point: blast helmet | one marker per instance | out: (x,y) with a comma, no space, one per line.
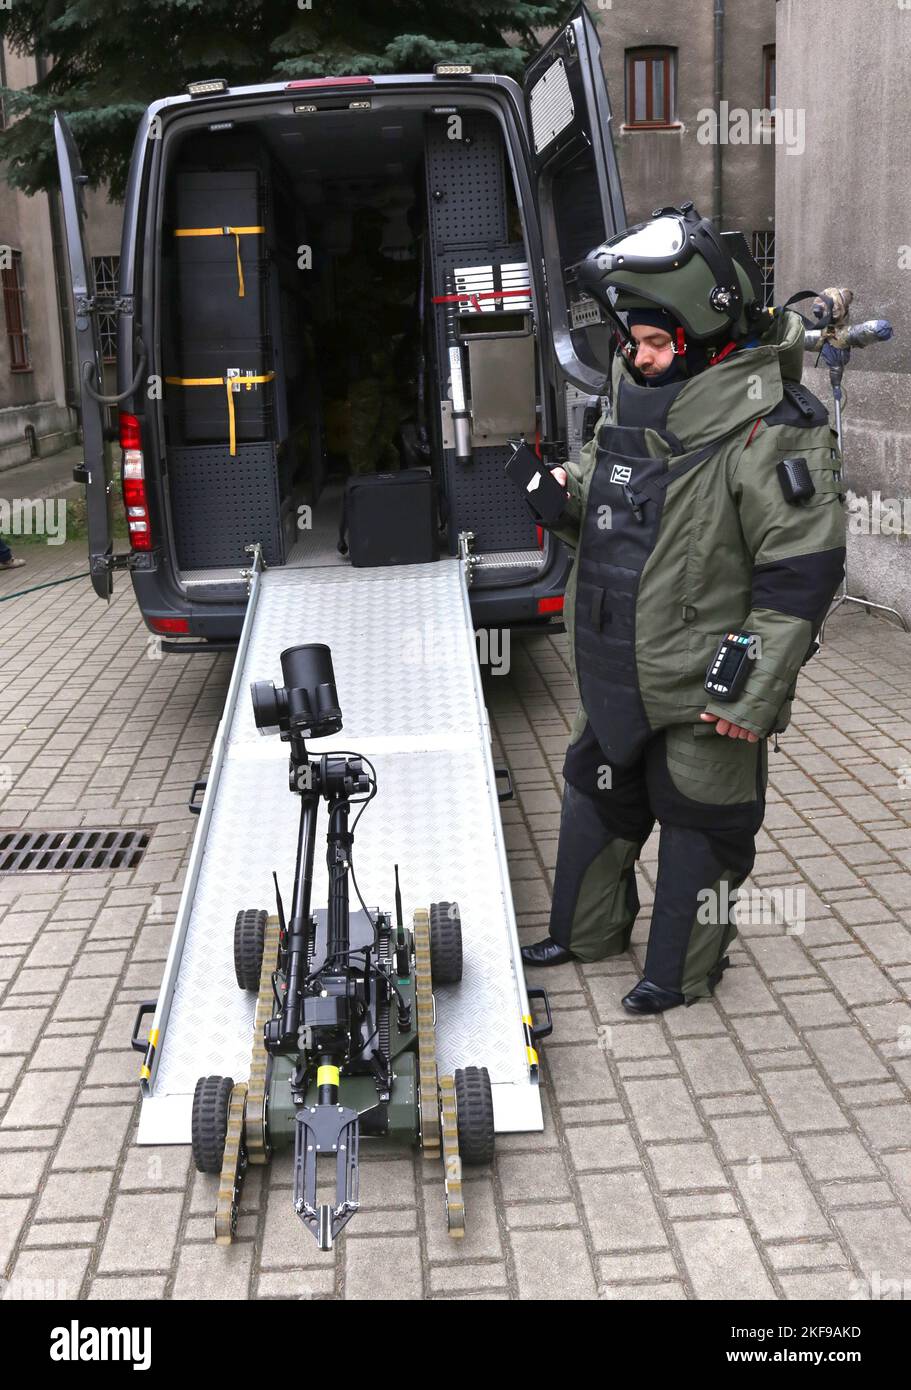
(707,281)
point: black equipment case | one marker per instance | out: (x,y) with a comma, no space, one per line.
(390,518)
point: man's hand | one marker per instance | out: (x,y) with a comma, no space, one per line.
(560,475)
(724,726)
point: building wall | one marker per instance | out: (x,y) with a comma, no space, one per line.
(37,397)
(843,219)
(668,166)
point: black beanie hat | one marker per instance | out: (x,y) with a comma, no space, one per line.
(654,318)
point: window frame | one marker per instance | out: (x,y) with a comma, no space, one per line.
(769,80)
(15,316)
(668,55)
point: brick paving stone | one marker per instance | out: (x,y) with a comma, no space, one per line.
(721,1259)
(834,1156)
(804,1254)
(879,1240)
(383,1268)
(213,1272)
(663,1110)
(855,1194)
(802,1101)
(552,1265)
(41,1099)
(779,1200)
(685,1166)
(601,1147)
(13,1213)
(713,1066)
(41,1275)
(533,1215)
(301,1284)
(530,1175)
(758,1033)
(620,1211)
(135,1287)
(579,1072)
(886,1126)
(53,1233)
(683,1204)
(93,1137)
(748,1137)
(66,1196)
(640,1265)
(142,1232)
(859,981)
(812,1010)
(845,1055)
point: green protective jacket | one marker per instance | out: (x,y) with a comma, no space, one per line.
(730,551)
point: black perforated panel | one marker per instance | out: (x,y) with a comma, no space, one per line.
(454,167)
(483,500)
(220,504)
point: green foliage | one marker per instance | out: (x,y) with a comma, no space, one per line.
(106,60)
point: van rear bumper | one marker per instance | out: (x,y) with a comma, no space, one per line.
(217,626)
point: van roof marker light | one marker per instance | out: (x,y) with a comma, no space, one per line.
(211,86)
(452,69)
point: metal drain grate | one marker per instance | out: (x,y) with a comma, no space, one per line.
(69,851)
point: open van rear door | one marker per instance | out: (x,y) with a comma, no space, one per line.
(577,187)
(97,471)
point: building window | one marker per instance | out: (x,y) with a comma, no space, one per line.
(768,78)
(650,87)
(14,310)
(107,273)
(764,255)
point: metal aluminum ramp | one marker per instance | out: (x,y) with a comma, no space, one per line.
(409,685)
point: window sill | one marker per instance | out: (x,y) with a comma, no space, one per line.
(633,129)
(22,371)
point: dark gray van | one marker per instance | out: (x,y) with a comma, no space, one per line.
(245,345)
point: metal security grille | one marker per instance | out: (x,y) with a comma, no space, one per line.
(764,253)
(70,851)
(107,277)
(551,105)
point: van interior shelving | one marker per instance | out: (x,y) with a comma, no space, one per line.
(349,297)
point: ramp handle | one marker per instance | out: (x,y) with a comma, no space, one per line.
(541,1030)
(508,794)
(192,804)
(136,1043)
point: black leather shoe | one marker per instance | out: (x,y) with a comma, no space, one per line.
(646,998)
(546,952)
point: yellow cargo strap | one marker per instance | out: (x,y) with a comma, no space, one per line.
(236,232)
(232,384)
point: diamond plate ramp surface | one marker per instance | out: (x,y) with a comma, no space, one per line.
(404,660)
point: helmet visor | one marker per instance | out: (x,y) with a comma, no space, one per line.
(661,239)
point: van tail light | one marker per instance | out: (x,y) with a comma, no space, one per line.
(551,605)
(134,486)
(165,625)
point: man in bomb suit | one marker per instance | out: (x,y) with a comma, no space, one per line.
(705,507)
